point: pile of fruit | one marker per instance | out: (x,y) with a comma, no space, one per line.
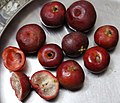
(80,17)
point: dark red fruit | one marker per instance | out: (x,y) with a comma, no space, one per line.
(53,14)
(107,36)
(50,55)
(70,75)
(81,16)
(45,84)
(74,44)
(21,85)
(13,58)
(30,38)
(96,59)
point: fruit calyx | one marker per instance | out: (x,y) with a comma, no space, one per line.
(55,8)
(77,12)
(50,55)
(71,68)
(82,49)
(108,32)
(97,58)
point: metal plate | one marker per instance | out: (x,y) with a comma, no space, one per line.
(8,9)
(102,88)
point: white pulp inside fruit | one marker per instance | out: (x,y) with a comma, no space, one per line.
(16,85)
(47,84)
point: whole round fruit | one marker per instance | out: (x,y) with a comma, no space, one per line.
(106,36)
(50,55)
(70,75)
(21,85)
(45,84)
(30,38)
(13,58)
(81,16)
(53,14)
(74,44)
(96,59)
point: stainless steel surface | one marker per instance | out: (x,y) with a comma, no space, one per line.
(8,9)
(103,88)
(3,3)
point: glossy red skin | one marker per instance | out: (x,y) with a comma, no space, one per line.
(106,36)
(30,38)
(24,84)
(50,55)
(96,59)
(70,75)
(51,17)
(39,90)
(13,58)
(81,16)
(74,44)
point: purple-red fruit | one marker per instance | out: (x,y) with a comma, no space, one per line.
(70,75)
(50,55)
(53,14)
(30,38)
(81,16)
(45,84)
(107,36)
(21,85)
(74,44)
(96,59)
(13,58)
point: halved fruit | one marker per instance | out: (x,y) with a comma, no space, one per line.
(13,58)
(21,85)
(45,84)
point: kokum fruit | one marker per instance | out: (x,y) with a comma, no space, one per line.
(81,16)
